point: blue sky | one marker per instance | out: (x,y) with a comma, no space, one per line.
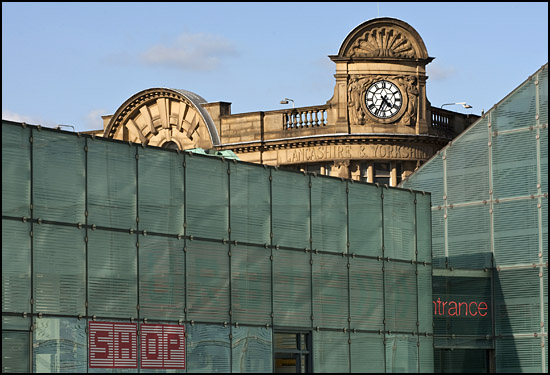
(70,63)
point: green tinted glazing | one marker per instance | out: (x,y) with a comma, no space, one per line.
(330,352)
(111,183)
(59,179)
(366,294)
(208,281)
(160,191)
(542,82)
(16,266)
(365,219)
(429,180)
(330,290)
(514,164)
(16,322)
(15,352)
(543,136)
(16,170)
(400,296)
(328,214)
(251,284)
(425,302)
(438,238)
(367,353)
(399,225)
(426,353)
(206,181)
(112,274)
(208,348)
(517,110)
(292,288)
(161,277)
(250,203)
(423,228)
(519,355)
(60,275)
(401,353)
(60,345)
(251,350)
(291,209)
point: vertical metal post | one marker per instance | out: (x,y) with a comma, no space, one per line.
(228,173)
(186,281)
(137,232)
(31,234)
(348,274)
(383,277)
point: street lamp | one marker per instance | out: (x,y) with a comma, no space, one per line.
(461,103)
(58,127)
(285,101)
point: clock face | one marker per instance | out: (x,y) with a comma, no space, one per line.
(383,99)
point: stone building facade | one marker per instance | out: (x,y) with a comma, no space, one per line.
(378,126)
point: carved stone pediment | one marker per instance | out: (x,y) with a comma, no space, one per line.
(382,42)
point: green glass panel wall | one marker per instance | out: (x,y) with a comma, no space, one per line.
(16,171)
(400,296)
(60,275)
(439,258)
(60,345)
(291,209)
(206,196)
(208,348)
(331,352)
(367,353)
(365,219)
(514,164)
(112,274)
(330,291)
(426,353)
(328,214)
(59,181)
(517,110)
(544,159)
(399,225)
(161,277)
(16,266)
(366,294)
(251,349)
(208,281)
(425,301)
(516,239)
(250,203)
(160,191)
(519,355)
(543,96)
(292,289)
(401,353)
(429,180)
(251,284)
(423,228)
(111,183)
(15,352)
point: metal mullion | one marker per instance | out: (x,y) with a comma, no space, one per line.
(230,312)
(417,280)
(383,276)
(185,280)
(311,251)
(348,275)
(137,232)
(31,302)
(86,255)
(271,267)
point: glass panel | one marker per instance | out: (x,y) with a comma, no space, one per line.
(367,299)
(250,203)
(292,288)
(111,184)
(329,214)
(112,274)
(60,275)
(208,281)
(161,277)
(330,288)
(367,352)
(399,225)
(425,302)
(430,178)
(160,191)
(517,110)
(331,352)
(206,182)
(58,193)
(16,266)
(365,219)
(401,353)
(423,228)
(15,352)
(208,348)
(426,354)
(515,164)
(519,355)
(251,284)
(286,341)
(60,345)
(251,349)
(401,296)
(16,322)
(16,170)
(291,209)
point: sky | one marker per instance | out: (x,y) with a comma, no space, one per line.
(71,63)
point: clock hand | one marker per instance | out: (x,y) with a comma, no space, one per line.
(387,101)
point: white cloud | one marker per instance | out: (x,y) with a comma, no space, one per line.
(199,52)
(17,117)
(437,72)
(93,119)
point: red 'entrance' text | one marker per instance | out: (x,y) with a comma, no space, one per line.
(461,308)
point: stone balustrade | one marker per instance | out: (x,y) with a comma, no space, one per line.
(305,117)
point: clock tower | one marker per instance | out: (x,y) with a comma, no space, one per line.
(381,80)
